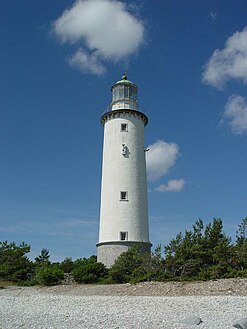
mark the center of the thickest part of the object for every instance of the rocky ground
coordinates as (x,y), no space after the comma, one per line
(222,287)
(171,305)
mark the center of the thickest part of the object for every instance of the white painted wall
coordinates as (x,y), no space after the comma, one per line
(124,173)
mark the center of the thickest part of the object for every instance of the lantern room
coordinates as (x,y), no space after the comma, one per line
(124,95)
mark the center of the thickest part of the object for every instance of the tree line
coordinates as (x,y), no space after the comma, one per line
(205,252)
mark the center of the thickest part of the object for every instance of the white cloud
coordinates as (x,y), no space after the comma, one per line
(160,158)
(228,63)
(173,185)
(86,63)
(236,114)
(105,28)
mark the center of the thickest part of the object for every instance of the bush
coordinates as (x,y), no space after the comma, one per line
(43,257)
(67,265)
(127,262)
(90,272)
(205,252)
(135,266)
(165,276)
(214,272)
(233,273)
(49,275)
(14,264)
(85,261)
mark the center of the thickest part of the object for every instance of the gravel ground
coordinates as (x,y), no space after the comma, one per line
(75,307)
(223,287)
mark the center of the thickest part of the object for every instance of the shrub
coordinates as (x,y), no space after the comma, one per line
(67,265)
(14,264)
(90,272)
(135,266)
(85,261)
(49,275)
(213,272)
(43,257)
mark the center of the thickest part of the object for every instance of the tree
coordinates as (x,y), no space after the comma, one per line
(43,257)
(241,245)
(184,254)
(87,270)
(241,234)
(84,261)
(172,261)
(14,264)
(198,251)
(135,266)
(49,275)
(67,265)
(126,263)
(217,244)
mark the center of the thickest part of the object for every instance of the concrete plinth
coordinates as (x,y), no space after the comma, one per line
(108,252)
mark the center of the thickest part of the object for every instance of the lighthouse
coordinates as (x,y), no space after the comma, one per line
(124,206)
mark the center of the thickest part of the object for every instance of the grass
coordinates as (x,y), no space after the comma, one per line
(4,284)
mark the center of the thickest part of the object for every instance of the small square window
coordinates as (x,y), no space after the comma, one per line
(123,196)
(123,236)
(124,127)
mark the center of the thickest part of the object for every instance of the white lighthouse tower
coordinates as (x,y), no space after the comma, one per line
(124,208)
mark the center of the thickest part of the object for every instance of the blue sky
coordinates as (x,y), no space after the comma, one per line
(189,60)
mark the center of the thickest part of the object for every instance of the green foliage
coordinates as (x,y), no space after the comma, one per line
(135,266)
(89,271)
(49,275)
(213,272)
(127,262)
(206,253)
(84,261)
(67,265)
(242,232)
(241,246)
(14,264)
(203,253)
(184,255)
(43,258)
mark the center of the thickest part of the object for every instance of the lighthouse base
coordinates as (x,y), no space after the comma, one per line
(108,252)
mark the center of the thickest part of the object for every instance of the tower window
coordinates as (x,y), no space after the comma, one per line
(123,236)
(124,127)
(123,196)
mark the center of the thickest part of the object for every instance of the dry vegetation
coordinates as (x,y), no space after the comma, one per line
(221,287)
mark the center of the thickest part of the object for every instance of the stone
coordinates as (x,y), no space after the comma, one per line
(241,323)
(192,320)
